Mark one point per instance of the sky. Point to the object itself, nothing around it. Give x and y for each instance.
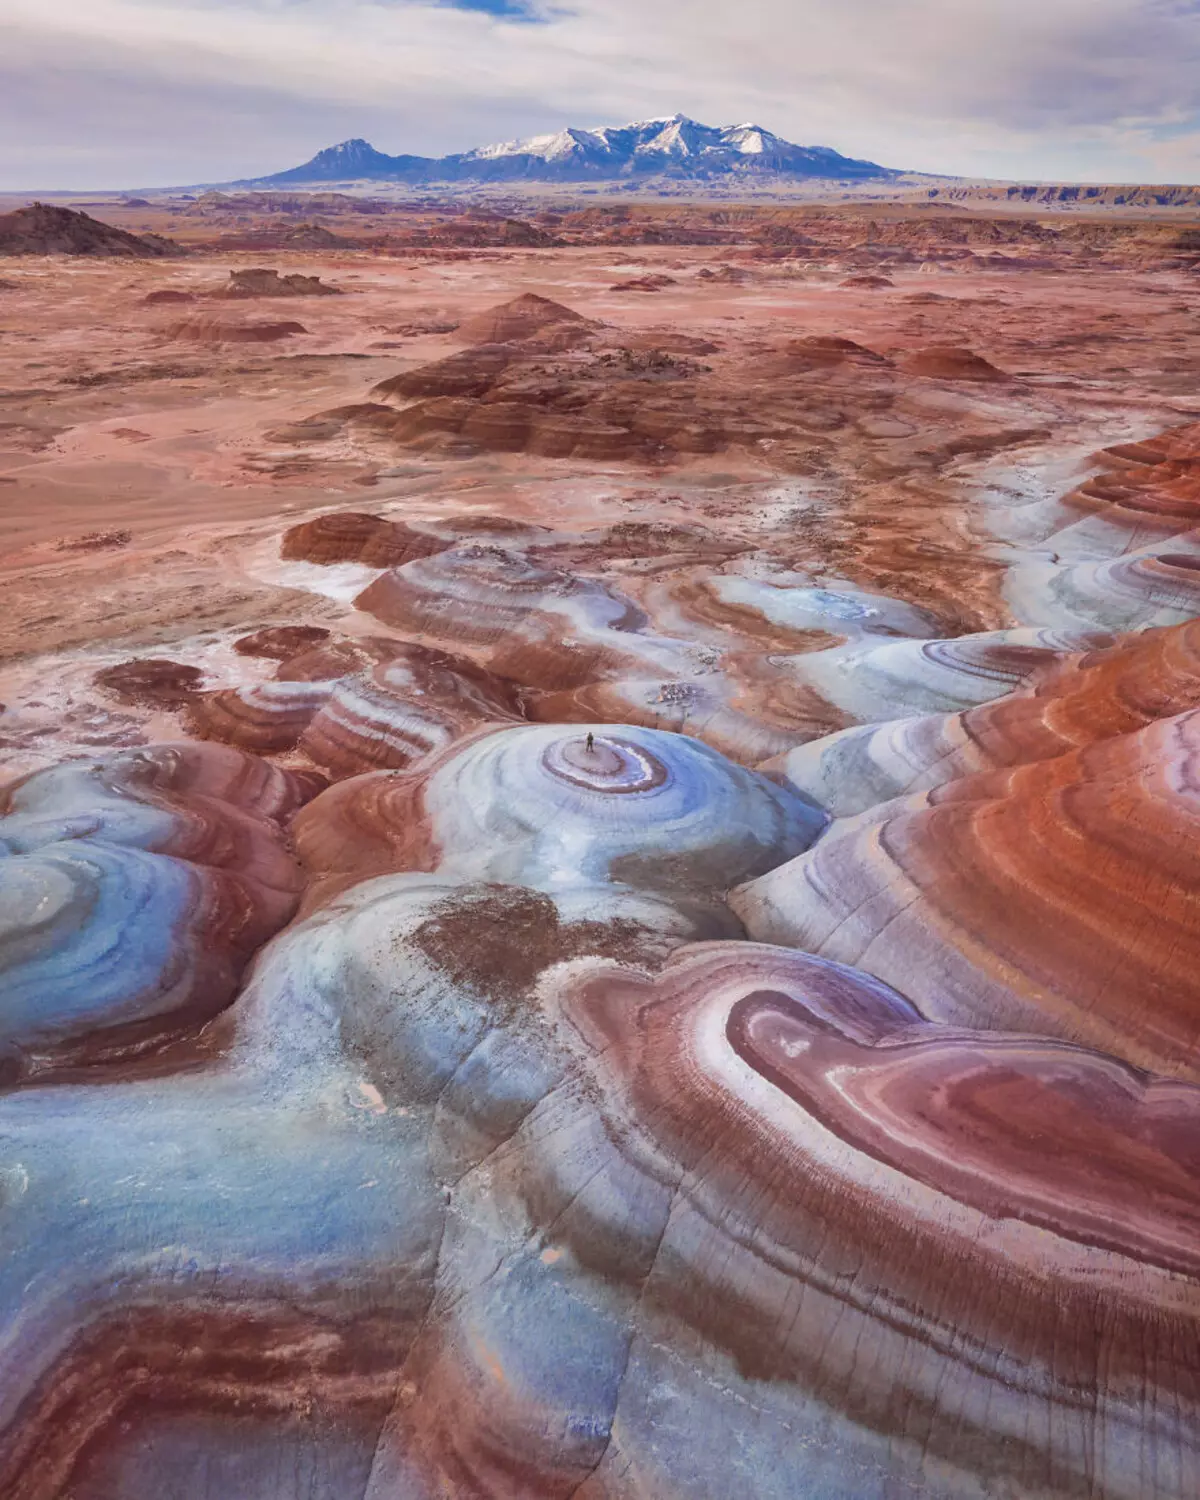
(142, 93)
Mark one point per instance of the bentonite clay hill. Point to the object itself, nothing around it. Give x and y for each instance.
(600, 858)
(44, 229)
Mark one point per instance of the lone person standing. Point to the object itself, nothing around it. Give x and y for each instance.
(590, 747)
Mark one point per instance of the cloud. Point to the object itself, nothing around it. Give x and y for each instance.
(126, 92)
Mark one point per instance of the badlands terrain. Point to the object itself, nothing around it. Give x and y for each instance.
(601, 853)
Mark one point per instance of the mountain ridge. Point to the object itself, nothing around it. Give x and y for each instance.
(672, 146)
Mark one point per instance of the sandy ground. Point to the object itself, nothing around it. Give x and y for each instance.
(144, 479)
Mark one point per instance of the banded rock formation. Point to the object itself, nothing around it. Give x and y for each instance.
(448, 1106)
(535, 625)
(417, 702)
(133, 889)
(1069, 703)
(263, 717)
(523, 318)
(355, 536)
(642, 808)
(1062, 897)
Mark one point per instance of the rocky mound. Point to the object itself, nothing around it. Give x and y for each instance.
(167, 297)
(390, 717)
(519, 319)
(264, 717)
(652, 283)
(269, 283)
(151, 682)
(535, 625)
(822, 351)
(472, 372)
(661, 812)
(281, 641)
(952, 364)
(138, 886)
(213, 331)
(42, 229)
(354, 536)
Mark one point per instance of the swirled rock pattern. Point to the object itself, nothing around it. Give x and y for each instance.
(1060, 896)
(543, 806)
(263, 717)
(419, 701)
(132, 891)
(1132, 592)
(356, 536)
(869, 682)
(449, 1106)
(536, 625)
(1070, 703)
(452, 1130)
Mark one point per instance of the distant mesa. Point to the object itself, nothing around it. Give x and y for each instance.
(673, 147)
(42, 229)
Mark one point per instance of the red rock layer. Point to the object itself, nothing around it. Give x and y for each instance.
(151, 682)
(519, 319)
(266, 717)
(860, 1207)
(952, 364)
(418, 701)
(354, 536)
(281, 641)
(1155, 483)
(538, 626)
(1061, 896)
(1084, 698)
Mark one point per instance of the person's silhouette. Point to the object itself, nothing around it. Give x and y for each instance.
(591, 743)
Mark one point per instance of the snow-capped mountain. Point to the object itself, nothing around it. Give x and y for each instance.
(674, 146)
